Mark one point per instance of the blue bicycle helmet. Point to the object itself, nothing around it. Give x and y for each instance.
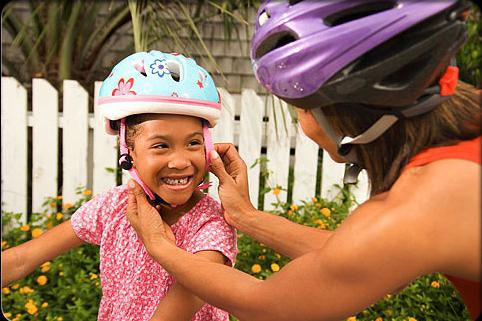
(157, 82)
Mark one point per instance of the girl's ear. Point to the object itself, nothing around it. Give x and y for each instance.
(133, 156)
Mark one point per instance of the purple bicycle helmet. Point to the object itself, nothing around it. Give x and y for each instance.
(386, 55)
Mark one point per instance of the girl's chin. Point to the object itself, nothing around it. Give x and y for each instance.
(176, 197)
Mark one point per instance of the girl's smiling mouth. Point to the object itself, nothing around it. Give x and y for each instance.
(177, 183)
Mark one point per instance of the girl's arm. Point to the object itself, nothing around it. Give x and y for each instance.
(21, 260)
(180, 304)
(278, 233)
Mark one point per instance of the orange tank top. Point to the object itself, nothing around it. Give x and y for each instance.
(469, 150)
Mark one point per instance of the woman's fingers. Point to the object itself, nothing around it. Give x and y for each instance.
(217, 168)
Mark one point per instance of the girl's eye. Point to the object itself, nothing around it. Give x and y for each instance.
(160, 146)
(195, 143)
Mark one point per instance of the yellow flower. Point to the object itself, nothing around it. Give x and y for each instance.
(294, 207)
(278, 255)
(379, 319)
(61, 273)
(256, 268)
(45, 267)
(42, 280)
(7, 314)
(60, 197)
(45, 304)
(87, 192)
(412, 319)
(17, 317)
(25, 290)
(15, 286)
(36, 232)
(25, 228)
(351, 319)
(4, 244)
(276, 191)
(325, 211)
(96, 283)
(274, 267)
(93, 276)
(68, 205)
(6, 290)
(31, 307)
(59, 216)
(314, 200)
(60, 319)
(435, 284)
(53, 204)
(320, 223)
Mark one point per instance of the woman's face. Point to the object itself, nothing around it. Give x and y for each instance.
(169, 156)
(311, 129)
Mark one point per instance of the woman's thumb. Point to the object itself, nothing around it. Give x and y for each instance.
(217, 167)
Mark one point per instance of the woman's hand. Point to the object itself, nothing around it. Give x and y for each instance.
(146, 220)
(231, 170)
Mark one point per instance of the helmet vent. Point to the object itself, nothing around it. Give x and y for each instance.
(174, 69)
(358, 12)
(275, 41)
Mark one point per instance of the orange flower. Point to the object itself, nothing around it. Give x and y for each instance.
(87, 192)
(325, 211)
(59, 216)
(25, 228)
(45, 267)
(294, 207)
(42, 280)
(256, 268)
(435, 284)
(36, 232)
(68, 205)
(31, 307)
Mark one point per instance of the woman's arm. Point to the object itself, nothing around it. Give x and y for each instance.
(21, 260)
(180, 304)
(385, 244)
(278, 233)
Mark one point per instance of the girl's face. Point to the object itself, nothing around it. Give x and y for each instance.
(169, 156)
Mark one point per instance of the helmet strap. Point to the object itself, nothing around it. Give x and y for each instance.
(125, 151)
(208, 147)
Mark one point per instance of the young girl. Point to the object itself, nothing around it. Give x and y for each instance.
(161, 106)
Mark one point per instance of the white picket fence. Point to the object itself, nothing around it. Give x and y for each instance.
(87, 151)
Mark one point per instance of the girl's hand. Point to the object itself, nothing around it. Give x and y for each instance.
(146, 220)
(231, 170)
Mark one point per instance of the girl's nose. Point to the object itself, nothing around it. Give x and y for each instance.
(178, 163)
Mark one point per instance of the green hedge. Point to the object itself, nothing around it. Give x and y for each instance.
(67, 288)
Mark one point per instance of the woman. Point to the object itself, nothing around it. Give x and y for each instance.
(375, 88)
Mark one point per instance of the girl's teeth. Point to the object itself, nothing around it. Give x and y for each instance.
(180, 181)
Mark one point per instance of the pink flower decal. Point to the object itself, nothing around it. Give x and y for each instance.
(124, 88)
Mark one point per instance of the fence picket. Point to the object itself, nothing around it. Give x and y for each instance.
(278, 150)
(75, 131)
(223, 132)
(306, 165)
(45, 142)
(332, 175)
(105, 152)
(14, 147)
(250, 134)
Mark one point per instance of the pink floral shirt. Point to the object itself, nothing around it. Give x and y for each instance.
(133, 283)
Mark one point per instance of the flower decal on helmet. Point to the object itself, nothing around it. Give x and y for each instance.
(159, 67)
(124, 87)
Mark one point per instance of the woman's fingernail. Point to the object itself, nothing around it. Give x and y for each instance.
(214, 154)
(131, 184)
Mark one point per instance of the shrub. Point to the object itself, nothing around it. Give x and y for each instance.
(67, 288)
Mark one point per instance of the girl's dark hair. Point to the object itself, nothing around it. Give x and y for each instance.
(132, 130)
(459, 118)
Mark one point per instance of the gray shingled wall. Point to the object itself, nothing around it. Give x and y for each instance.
(232, 56)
